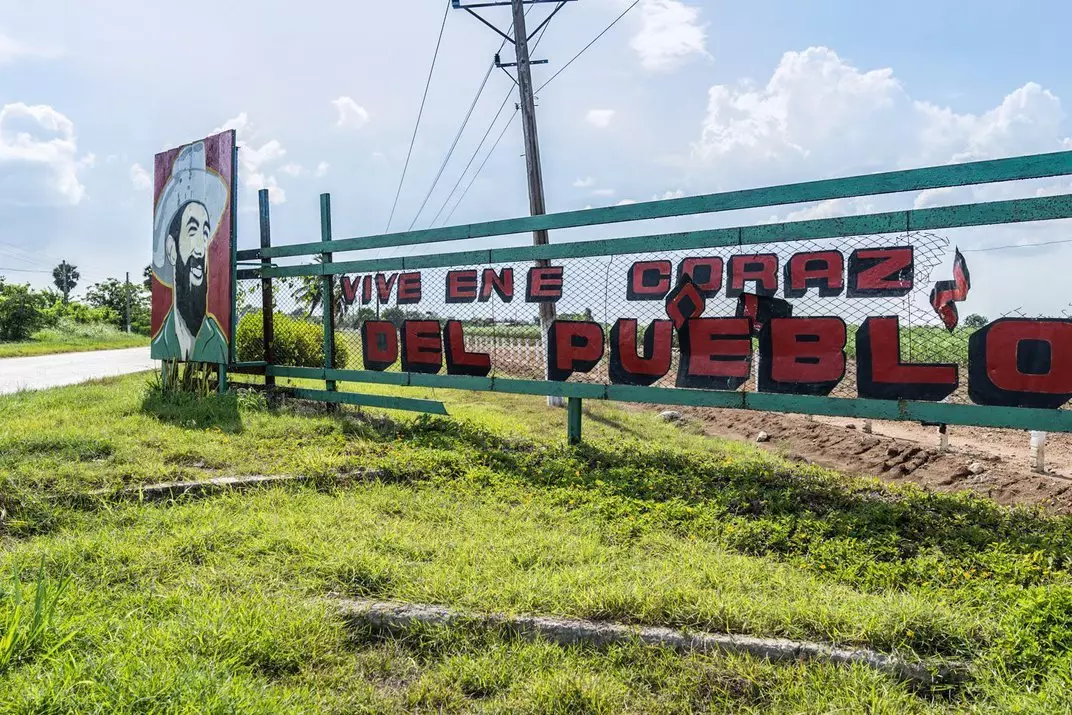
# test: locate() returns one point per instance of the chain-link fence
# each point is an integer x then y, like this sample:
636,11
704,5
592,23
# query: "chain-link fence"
593,289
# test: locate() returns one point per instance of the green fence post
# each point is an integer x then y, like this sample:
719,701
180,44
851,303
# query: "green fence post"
267,301
573,420
328,292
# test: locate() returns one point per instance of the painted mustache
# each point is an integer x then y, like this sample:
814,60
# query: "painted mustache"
196,269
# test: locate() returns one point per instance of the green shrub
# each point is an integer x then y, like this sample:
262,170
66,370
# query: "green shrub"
22,311
115,295
70,329
297,342
79,313
85,315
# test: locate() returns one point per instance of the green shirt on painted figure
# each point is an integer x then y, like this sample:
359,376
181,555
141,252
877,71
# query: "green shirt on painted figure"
210,344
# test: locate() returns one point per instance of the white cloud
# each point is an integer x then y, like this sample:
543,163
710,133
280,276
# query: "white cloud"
351,114
39,162
599,118
292,169
828,209
670,32
815,106
818,115
322,169
625,202
584,183
11,50
140,178
676,194
933,197
1027,121
254,162
603,192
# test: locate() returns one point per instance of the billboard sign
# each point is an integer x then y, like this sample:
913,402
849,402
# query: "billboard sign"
861,318
193,239
874,315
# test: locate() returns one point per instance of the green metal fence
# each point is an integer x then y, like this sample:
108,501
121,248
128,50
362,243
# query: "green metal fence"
316,285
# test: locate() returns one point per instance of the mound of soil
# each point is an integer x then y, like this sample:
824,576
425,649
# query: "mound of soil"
992,462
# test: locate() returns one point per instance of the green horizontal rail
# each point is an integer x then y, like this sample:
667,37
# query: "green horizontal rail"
930,412
1042,208
972,173
382,401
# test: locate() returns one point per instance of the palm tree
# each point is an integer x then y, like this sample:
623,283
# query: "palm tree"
65,276
310,293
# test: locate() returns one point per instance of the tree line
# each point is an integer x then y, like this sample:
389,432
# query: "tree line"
25,310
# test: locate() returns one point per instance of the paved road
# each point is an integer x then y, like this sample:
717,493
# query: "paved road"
37,373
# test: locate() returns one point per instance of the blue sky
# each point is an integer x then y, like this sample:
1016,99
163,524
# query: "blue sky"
682,97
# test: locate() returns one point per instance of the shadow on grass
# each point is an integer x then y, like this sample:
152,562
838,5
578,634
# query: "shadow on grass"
191,411
612,423
769,506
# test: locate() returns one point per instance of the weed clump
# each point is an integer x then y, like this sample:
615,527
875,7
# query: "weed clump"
27,626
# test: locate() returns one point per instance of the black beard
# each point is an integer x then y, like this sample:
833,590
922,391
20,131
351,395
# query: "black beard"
191,301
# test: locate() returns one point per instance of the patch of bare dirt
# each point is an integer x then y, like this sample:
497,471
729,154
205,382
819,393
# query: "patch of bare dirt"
991,462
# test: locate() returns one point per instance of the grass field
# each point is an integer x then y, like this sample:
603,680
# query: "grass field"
70,337
528,332
219,605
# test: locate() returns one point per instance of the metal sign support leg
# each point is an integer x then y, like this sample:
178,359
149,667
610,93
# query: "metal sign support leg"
573,420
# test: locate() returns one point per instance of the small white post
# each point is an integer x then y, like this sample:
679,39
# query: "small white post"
943,438
1038,452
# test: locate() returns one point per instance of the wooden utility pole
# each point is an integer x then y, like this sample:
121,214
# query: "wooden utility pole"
527,105
537,206
126,294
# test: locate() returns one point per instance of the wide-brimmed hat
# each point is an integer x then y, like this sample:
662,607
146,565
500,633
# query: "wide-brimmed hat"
190,181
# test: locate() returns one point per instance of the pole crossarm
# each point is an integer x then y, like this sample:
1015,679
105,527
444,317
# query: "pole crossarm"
504,3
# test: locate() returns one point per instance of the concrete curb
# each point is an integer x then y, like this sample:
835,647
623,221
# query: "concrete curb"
173,490
393,618
208,487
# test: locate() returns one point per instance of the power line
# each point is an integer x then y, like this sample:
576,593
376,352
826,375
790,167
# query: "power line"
1016,245
487,133
21,259
420,113
22,254
481,167
476,152
23,270
556,74
453,145
585,48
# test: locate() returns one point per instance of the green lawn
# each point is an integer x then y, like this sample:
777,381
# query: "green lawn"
529,332
71,338
220,605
